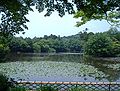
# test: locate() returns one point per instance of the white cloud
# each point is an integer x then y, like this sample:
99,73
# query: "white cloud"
40,25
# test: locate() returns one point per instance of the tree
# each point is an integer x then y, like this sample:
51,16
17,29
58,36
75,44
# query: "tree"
18,44
98,45
3,51
5,84
102,45
4,48
13,16
36,48
30,43
99,9
114,34
13,12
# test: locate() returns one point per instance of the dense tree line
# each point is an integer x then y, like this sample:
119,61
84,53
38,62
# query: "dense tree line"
96,44
13,20
46,44
106,44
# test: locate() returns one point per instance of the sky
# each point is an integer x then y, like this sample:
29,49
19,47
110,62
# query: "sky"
54,24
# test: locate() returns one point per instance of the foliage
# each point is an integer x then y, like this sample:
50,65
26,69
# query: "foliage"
13,12
4,83
102,44
100,9
36,48
47,44
7,84
97,44
83,89
13,16
114,33
18,89
18,45
47,88
4,48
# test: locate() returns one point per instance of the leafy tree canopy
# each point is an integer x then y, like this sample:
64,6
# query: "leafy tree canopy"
13,12
103,44
99,9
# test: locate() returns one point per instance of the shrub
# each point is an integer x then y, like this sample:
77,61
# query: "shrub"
4,83
99,45
82,89
47,88
18,89
3,51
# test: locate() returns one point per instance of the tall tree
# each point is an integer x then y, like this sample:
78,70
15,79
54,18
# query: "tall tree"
98,9
13,12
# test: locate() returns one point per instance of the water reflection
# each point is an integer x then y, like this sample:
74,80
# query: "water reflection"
58,57
110,68
60,67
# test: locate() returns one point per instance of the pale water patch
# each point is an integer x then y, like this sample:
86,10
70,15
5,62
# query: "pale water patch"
60,67
48,69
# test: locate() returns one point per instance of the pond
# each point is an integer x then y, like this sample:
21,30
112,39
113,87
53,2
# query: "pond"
60,67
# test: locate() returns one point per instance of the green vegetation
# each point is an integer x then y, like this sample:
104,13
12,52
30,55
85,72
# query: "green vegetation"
47,88
13,12
47,44
18,89
5,83
83,89
4,49
99,44
13,20
106,44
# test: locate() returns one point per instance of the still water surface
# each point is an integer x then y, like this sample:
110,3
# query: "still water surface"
60,67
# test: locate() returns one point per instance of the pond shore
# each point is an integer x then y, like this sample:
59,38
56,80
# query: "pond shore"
111,59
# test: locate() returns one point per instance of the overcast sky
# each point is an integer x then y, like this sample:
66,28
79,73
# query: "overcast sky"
65,26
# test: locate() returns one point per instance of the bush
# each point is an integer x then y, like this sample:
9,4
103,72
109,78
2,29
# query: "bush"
18,89
4,50
4,83
82,89
101,45
47,88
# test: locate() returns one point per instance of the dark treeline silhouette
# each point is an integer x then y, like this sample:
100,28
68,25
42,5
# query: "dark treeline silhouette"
47,44
97,44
